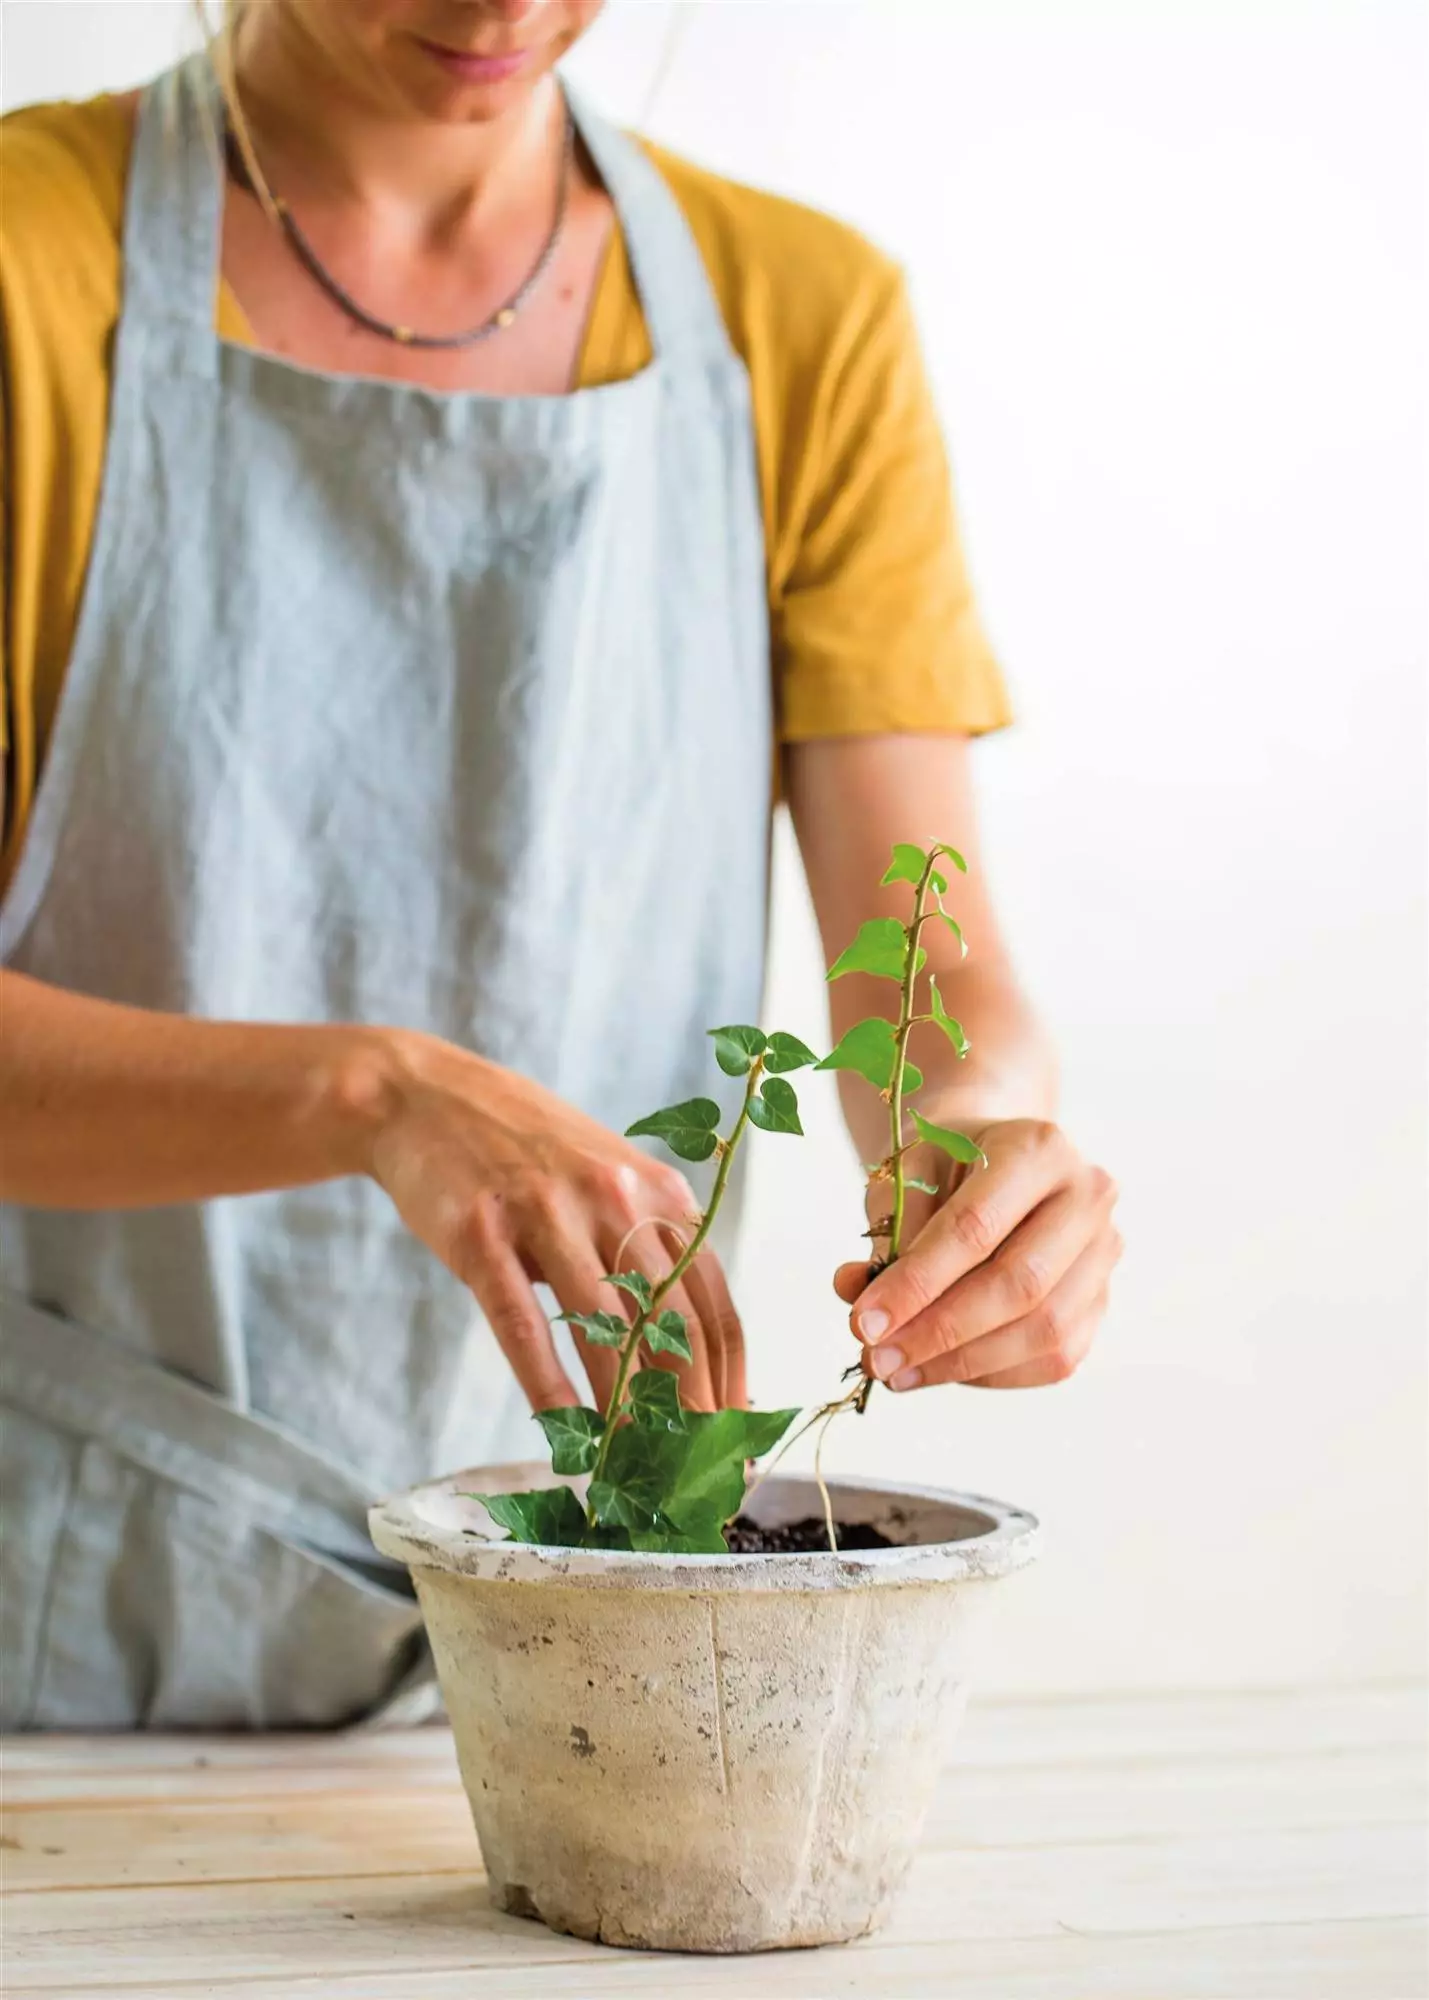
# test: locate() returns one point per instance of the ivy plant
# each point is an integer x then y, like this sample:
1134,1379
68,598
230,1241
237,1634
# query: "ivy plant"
662,1477
877,1049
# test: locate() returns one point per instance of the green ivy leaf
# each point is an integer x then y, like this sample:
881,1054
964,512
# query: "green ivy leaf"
953,855
881,948
923,1187
688,1129
907,866
655,1399
957,1144
956,928
709,1473
573,1435
693,1478
629,1506
787,1052
663,1540
666,1335
951,1028
638,1286
600,1329
660,1538
870,1048
553,1518
603,1537
737,1048
776,1109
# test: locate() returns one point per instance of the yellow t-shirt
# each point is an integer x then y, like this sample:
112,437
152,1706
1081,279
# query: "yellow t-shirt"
873,621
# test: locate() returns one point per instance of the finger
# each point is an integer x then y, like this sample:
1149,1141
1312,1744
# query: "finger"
851,1279
918,1209
1053,1368
1011,1284
698,1389
1053,1338
701,1298
645,1207
505,1294
1064,1360
567,1261
645,1254
976,1218
724,1336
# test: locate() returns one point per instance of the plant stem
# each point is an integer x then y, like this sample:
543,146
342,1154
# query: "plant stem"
900,1054
673,1276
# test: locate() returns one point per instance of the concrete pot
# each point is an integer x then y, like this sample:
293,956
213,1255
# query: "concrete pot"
703,1753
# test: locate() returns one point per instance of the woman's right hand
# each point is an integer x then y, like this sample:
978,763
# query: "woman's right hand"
113,1107
511,1186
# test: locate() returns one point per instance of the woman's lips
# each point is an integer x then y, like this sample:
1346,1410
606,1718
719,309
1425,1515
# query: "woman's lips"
473,68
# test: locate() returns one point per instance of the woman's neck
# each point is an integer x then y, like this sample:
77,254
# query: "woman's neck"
370,150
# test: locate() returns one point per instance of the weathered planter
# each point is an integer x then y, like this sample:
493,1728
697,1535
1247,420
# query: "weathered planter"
710,1753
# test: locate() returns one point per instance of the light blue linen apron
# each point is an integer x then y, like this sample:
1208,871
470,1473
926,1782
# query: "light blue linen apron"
447,711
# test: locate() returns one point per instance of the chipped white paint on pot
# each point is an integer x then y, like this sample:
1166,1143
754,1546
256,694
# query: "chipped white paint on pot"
709,1753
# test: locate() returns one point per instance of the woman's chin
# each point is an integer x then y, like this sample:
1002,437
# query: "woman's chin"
458,91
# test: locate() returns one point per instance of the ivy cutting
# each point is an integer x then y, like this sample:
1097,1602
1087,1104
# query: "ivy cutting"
664,1478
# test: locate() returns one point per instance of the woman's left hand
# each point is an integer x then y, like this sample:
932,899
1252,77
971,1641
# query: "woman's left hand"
1003,1278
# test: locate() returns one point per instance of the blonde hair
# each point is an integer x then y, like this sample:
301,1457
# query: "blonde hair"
220,41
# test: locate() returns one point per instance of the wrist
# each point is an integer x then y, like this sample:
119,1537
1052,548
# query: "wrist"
362,1087
967,1111
978,1096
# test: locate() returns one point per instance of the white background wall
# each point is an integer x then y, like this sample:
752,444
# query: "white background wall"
1170,262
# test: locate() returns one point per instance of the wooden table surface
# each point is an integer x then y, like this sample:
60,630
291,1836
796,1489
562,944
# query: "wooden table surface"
1199,1848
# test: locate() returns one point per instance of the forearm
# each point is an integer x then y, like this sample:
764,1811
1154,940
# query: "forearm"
116,1107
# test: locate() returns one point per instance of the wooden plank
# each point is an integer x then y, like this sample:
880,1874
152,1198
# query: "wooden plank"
302,1930
60,1848
977,1806
331,1925
1066,1803
1114,1731
1018,1735
1294,1962
1021,1733
1343,1875
208,1772
35,1763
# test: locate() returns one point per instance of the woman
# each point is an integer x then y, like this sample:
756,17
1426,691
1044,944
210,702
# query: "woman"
402,812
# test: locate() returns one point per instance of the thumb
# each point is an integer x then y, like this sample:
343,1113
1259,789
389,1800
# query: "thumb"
850,1280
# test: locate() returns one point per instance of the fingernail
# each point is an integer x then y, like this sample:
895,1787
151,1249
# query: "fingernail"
909,1378
888,1361
873,1325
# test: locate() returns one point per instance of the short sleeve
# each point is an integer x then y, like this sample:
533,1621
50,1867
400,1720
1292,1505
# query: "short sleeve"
875,626
6,693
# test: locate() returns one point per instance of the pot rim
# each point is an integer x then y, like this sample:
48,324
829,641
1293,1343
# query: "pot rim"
432,1526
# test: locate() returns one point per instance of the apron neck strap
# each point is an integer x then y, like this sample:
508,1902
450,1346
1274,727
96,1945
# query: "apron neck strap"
682,314
174,216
